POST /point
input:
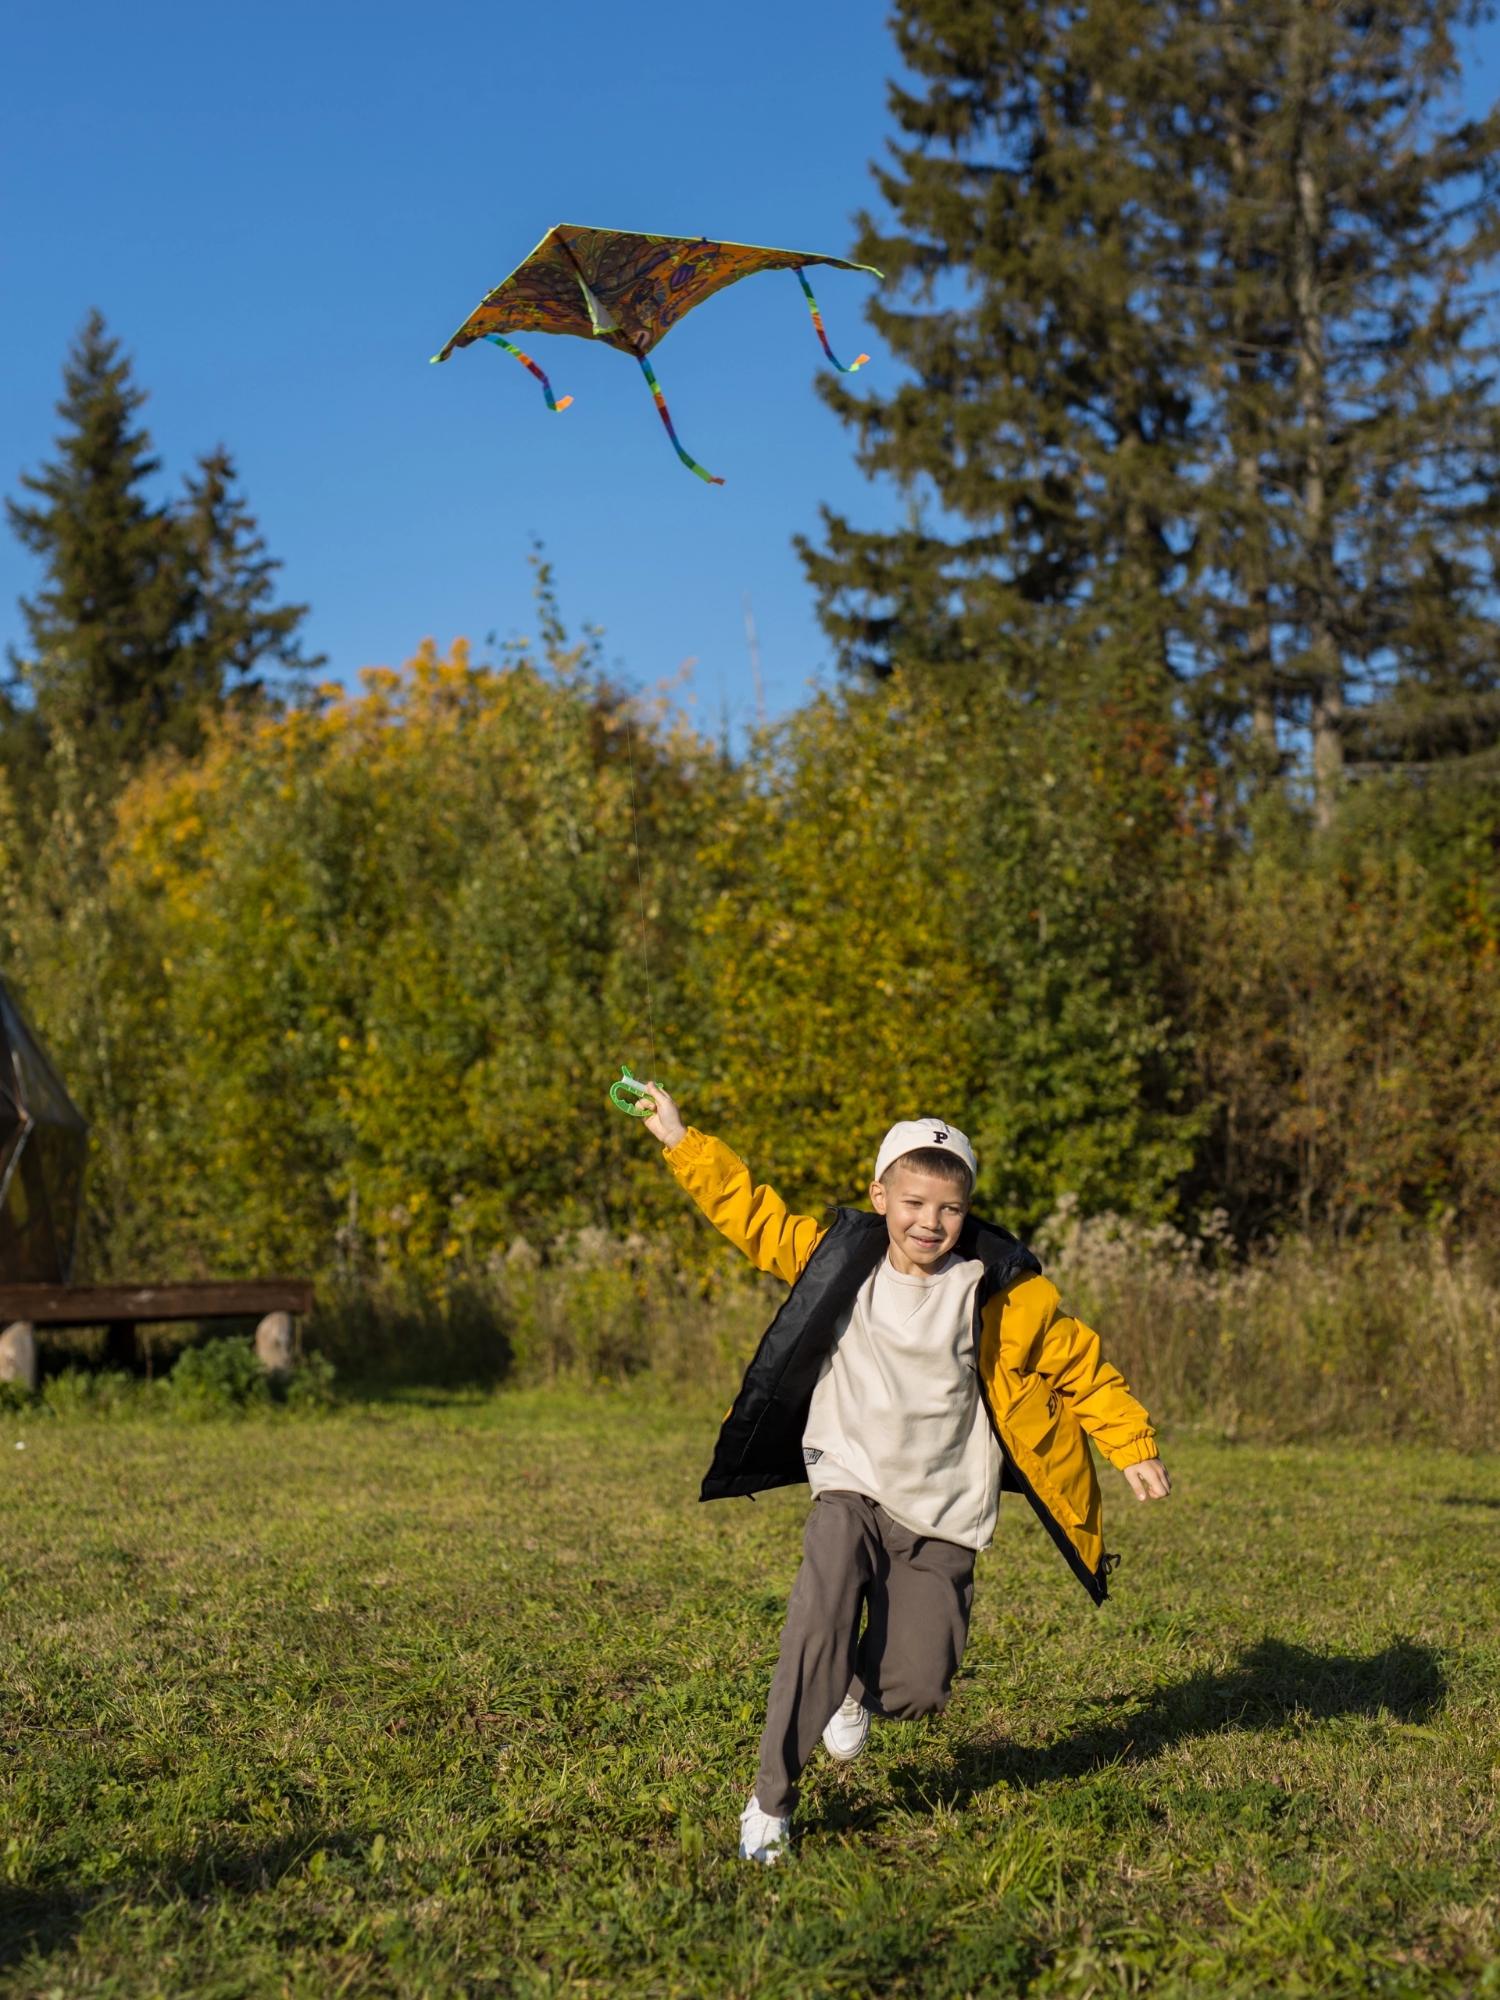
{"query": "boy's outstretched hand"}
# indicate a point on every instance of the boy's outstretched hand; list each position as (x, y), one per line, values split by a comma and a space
(665, 1123)
(1148, 1480)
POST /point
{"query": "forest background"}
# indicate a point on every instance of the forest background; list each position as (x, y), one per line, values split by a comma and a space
(1151, 832)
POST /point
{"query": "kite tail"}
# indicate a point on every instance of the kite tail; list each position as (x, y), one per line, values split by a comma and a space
(661, 410)
(817, 319)
(553, 402)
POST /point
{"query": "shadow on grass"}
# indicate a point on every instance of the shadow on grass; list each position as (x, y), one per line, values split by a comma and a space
(1271, 1683)
(1489, 1500)
(45, 1919)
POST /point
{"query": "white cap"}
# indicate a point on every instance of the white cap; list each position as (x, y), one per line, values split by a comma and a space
(916, 1135)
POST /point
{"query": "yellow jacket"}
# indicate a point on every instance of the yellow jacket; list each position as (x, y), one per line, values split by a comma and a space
(1045, 1383)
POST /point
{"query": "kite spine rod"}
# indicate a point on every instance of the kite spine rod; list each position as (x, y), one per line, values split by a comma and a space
(817, 320)
(661, 410)
(553, 402)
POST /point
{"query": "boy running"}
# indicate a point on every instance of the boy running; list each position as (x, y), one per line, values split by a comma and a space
(920, 1363)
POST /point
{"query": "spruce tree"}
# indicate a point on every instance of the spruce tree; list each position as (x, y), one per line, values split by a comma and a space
(1046, 436)
(105, 628)
(239, 635)
(150, 615)
(1190, 296)
(1353, 498)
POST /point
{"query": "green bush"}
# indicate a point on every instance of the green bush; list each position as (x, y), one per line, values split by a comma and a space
(218, 1378)
(86, 1392)
(311, 1386)
(221, 1378)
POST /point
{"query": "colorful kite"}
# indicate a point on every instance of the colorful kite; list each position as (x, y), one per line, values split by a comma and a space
(628, 290)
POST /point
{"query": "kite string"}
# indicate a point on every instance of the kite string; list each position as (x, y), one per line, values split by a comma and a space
(640, 883)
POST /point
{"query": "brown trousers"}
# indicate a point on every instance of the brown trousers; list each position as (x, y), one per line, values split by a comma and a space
(915, 1592)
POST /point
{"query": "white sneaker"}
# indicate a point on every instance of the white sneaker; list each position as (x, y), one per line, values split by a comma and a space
(763, 1837)
(847, 1730)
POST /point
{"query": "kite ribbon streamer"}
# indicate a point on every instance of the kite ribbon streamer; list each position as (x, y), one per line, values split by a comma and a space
(553, 402)
(817, 319)
(661, 410)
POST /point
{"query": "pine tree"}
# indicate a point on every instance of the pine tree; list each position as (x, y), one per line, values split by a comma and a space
(105, 627)
(239, 633)
(1047, 436)
(1198, 351)
(151, 615)
(1355, 498)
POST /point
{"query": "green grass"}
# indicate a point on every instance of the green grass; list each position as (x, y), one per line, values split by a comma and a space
(462, 1696)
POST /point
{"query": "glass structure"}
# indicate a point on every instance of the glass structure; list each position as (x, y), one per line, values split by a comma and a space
(43, 1146)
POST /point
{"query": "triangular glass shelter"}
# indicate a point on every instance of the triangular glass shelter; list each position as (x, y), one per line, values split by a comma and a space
(43, 1146)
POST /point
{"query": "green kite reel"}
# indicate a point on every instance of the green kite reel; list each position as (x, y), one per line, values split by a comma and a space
(626, 1088)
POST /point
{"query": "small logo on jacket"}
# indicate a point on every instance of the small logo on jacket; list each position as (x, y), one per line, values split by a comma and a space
(809, 1456)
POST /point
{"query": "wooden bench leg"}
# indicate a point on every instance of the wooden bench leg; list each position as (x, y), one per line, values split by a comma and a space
(18, 1354)
(274, 1345)
(120, 1345)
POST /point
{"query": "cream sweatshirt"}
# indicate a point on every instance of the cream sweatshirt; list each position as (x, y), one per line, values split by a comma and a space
(896, 1413)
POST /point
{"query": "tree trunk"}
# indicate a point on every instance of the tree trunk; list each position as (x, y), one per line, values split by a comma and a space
(1250, 585)
(1307, 59)
(1260, 673)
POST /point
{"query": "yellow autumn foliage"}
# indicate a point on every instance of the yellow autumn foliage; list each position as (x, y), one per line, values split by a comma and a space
(344, 992)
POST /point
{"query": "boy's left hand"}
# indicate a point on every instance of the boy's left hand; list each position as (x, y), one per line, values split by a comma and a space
(665, 1123)
(1148, 1480)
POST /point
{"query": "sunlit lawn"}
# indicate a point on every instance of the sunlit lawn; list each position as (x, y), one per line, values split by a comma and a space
(461, 1696)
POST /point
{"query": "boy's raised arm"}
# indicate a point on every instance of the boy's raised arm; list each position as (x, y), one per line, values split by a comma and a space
(755, 1219)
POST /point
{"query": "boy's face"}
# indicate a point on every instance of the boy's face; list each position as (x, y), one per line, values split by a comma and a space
(923, 1215)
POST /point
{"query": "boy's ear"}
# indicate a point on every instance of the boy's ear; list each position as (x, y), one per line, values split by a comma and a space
(877, 1197)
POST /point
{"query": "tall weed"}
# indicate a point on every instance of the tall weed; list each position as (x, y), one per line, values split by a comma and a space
(589, 1307)
(607, 1308)
(1394, 1337)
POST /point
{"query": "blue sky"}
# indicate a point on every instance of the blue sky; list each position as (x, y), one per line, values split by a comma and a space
(284, 210)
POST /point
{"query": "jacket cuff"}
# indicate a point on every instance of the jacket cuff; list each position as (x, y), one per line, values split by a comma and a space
(691, 1150)
(1135, 1453)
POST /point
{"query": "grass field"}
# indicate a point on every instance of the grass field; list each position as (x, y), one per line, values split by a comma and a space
(462, 1696)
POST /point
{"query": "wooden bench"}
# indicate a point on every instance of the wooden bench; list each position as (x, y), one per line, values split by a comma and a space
(120, 1309)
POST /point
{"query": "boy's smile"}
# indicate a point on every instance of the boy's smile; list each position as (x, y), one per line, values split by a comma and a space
(924, 1213)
